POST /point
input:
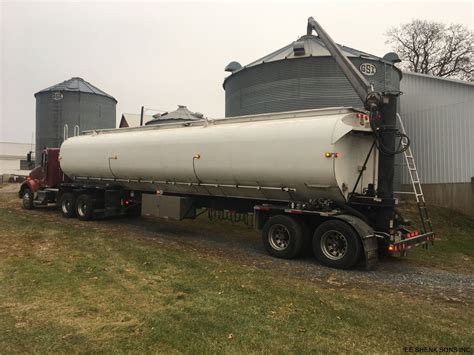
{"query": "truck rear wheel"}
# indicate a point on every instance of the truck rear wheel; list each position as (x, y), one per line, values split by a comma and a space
(283, 236)
(336, 244)
(68, 205)
(27, 199)
(85, 207)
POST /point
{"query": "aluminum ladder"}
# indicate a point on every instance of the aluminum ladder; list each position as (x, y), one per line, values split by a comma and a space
(415, 180)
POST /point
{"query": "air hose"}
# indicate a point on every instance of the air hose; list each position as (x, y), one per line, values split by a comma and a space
(378, 138)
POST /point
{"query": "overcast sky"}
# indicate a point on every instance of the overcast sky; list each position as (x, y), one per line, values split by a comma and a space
(161, 54)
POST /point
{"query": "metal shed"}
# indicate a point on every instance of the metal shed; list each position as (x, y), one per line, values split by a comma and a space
(133, 120)
(438, 115)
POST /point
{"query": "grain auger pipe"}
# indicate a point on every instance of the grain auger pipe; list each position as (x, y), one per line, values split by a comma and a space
(382, 106)
(371, 99)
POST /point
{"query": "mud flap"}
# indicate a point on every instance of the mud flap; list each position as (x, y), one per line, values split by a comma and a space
(370, 251)
(367, 236)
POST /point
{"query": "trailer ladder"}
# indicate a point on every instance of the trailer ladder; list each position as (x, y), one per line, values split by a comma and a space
(415, 181)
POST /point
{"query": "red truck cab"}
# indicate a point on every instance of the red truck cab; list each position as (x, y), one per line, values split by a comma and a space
(40, 186)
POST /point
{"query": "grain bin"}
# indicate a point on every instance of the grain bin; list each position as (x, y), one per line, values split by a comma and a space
(73, 105)
(303, 75)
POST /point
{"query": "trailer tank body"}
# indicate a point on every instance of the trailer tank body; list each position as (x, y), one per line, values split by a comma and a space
(280, 156)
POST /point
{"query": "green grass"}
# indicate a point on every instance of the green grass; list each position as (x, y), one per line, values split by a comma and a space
(454, 245)
(67, 288)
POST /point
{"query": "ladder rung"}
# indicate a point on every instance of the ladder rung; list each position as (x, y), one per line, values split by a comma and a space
(415, 179)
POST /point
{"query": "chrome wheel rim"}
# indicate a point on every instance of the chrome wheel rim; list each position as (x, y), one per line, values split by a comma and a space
(82, 209)
(333, 245)
(66, 206)
(279, 237)
(26, 197)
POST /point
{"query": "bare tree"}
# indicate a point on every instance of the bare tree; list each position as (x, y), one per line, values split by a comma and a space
(430, 47)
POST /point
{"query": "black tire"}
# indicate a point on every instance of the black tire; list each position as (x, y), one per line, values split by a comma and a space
(85, 207)
(336, 244)
(27, 199)
(283, 236)
(67, 204)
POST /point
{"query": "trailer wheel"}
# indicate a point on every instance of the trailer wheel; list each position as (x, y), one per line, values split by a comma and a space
(27, 199)
(67, 204)
(283, 236)
(85, 207)
(336, 244)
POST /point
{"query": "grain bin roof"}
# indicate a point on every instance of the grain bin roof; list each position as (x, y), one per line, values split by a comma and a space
(76, 84)
(305, 46)
(181, 114)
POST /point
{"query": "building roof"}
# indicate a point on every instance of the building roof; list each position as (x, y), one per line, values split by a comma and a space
(181, 114)
(133, 120)
(76, 84)
(305, 46)
(427, 76)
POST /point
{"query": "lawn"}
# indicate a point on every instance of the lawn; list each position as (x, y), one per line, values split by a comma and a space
(454, 245)
(71, 288)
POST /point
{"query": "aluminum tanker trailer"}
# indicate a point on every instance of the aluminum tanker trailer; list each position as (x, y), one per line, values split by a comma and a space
(299, 156)
(313, 179)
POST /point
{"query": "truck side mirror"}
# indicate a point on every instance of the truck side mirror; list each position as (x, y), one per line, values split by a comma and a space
(28, 157)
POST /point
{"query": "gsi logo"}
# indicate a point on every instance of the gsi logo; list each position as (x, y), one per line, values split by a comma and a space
(368, 69)
(57, 95)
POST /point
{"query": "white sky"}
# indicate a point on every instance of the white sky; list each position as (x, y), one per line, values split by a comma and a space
(161, 54)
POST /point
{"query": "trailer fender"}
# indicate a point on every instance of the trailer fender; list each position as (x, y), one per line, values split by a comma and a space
(367, 236)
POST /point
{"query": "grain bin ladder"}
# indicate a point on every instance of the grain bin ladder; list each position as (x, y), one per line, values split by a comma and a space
(415, 181)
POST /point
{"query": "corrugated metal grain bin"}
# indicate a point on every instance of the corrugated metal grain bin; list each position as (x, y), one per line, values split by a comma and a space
(302, 75)
(72, 103)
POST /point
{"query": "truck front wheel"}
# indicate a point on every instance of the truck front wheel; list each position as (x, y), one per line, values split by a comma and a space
(336, 244)
(27, 199)
(68, 205)
(85, 207)
(283, 236)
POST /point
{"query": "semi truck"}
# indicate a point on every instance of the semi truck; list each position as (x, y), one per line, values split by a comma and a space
(317, 179)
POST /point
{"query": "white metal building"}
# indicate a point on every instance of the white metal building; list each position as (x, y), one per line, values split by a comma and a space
(10, 156)
(438, 115)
